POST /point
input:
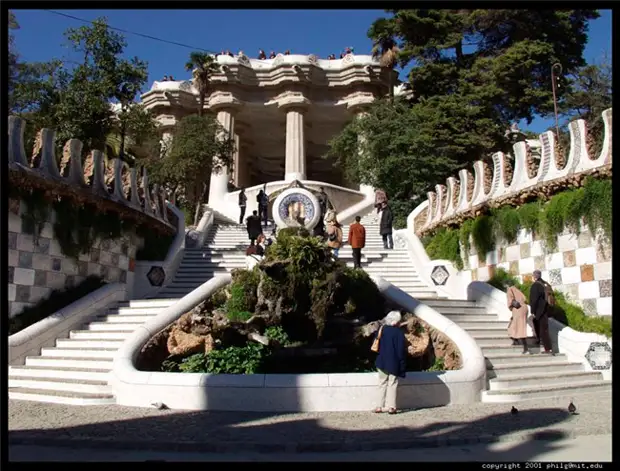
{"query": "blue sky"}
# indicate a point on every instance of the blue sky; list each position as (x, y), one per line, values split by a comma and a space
(320, 32)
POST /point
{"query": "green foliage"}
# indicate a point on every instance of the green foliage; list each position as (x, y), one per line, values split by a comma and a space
(444, 245)
(506, 223)
(57, 300)
(277, 334)
(564, 310)
(595, 206)
(203, 66)
(37, 211)
(529, 216)
(438, 365)
(483, 235)
(200, 146)
(590, 94)
(465, 235)
(231, 360)
(243, 298)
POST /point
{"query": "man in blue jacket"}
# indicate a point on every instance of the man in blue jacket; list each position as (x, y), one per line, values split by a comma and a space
(391, 362)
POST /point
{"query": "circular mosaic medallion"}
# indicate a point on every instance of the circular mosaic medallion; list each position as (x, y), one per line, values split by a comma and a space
(296, 207)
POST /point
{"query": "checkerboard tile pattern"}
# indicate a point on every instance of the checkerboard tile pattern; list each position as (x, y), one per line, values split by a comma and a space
(580, 266)
(37, 265)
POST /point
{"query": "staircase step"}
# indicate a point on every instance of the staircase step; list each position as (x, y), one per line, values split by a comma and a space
(60, 397)
(499, 332)
(126, 318)
(507, 349)
(477, 321)
(62, 373)
(545, 391)
(526, 367)
(135, 311)
(149, 303)
(112, 326)
(86, 344)
(100, 334)
(509, 359)
(107, 353)
(71, 362)
(486, 340)
(550, 378)
(55, 384)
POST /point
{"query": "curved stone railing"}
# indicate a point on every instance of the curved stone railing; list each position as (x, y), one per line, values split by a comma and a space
(492, 186)
(290, 392)
(577, 346)
(45, 332)
(114, 187)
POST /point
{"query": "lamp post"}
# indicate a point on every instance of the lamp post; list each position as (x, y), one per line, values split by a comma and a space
(558, 66)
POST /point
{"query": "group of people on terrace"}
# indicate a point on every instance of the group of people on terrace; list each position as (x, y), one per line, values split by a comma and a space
(272, 55)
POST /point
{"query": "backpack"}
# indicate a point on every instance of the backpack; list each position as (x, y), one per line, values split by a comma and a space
(549, 296)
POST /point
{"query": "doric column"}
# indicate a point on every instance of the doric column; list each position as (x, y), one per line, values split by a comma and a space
(218, 187)
(295, 150)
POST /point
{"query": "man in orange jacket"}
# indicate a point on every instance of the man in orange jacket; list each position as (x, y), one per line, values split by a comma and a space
(357, 241)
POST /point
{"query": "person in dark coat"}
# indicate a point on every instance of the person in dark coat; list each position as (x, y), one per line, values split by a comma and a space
(385, 226)
(243, 201)
(323, 202)
(253, 226)
(391, 361)
(263, 203)
(540, 311)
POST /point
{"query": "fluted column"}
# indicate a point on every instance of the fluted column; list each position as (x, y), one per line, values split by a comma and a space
(218, 187)
(295, 106)
(359, 111)
(295, 155)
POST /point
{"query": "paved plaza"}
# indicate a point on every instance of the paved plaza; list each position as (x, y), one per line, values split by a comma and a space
(541, 430)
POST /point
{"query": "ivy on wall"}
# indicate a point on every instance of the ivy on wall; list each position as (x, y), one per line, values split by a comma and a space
(78, 227)
(590, 204)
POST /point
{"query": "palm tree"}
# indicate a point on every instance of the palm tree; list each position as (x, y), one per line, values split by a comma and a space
(203, 66)
(386, 50)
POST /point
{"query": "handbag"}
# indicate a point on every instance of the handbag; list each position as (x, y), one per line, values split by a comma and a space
(375, 343)
(516, 304)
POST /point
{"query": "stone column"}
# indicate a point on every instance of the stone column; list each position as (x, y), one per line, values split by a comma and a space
(295, 150)
(218, 187)
(359, 111)
(166, 141)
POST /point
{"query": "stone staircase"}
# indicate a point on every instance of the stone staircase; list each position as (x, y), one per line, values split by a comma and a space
(225, 246)
(76, 370)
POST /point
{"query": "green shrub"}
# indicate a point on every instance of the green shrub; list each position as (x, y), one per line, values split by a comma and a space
(483, 235)
(529, 216)
(465, 235)
(277, 334)
(564, 311)
(596, 206)
(506, 223)
(438, 365)
(242, 294)
(57, 300)
(444, 245)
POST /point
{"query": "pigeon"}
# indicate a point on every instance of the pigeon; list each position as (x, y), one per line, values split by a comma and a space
(159, 405)
(572, 409)
(514, 410)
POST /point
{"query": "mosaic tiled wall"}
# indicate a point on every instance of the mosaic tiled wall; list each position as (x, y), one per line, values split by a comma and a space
(580, 266)
(36, 267)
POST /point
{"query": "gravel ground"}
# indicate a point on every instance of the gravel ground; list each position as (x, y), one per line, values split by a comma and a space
(310, 431)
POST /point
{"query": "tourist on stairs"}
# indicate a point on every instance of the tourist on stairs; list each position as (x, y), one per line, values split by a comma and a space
(357, 241)
(380, 198)
(243, 201)
(517, 328)
(385, 226)
(391, 362)
(334, 235)
(263, 202)
(541, 300)
(253, 226)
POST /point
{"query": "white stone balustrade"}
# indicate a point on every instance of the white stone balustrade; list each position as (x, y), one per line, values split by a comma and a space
(438, 210)
(78, 177)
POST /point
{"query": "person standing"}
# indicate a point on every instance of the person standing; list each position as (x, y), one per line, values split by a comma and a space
(380, 198)
(243, 201)
(385, 226)
(263, 202)
(253, 226)
(541, 299)
(357, 241)
(391, 361)
(334, 236)
(517, 328)
(323, 202)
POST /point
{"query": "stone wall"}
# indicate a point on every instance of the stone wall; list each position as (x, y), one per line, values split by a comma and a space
(36, 267)
(580, 266)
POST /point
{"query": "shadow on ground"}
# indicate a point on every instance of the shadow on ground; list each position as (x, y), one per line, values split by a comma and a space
(228, 432)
